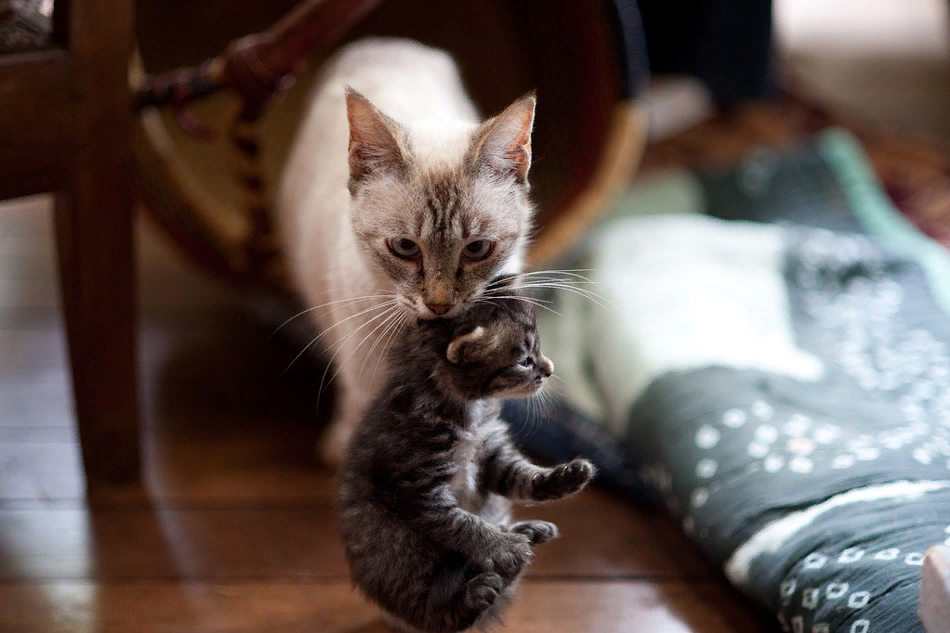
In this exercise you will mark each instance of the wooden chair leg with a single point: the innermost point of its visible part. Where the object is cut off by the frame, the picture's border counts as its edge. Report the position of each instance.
(94, 231)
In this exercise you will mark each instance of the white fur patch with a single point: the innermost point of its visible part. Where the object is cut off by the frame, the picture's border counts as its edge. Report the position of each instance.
(688, 292)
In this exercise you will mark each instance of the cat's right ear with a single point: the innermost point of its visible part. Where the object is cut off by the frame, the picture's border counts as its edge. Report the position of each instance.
(502, 146)
(376, 141)
(456, 351)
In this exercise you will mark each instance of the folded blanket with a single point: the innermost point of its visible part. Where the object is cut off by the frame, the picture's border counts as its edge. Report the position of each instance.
(768, 355)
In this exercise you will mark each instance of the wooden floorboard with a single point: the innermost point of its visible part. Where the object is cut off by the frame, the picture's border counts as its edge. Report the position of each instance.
(541, 607)
(51, 540)
(235, 528)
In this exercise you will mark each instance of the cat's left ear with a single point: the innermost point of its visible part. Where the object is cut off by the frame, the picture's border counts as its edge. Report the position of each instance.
(502, 146)
(377, 143)
(456, 350)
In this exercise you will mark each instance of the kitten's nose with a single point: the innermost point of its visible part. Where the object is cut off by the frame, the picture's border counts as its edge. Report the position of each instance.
(440, 308)
(545, 366)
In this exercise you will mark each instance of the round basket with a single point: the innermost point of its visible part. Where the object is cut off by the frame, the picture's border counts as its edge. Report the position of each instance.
(583, 58)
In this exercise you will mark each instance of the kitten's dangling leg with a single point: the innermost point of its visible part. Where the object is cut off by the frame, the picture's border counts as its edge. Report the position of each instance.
(480, 597)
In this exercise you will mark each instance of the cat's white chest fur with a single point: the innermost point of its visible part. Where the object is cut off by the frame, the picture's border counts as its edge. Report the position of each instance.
(409, 82)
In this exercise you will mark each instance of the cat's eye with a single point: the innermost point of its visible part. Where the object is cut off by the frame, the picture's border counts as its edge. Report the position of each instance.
(478, 249)
(404, 247)
(527, 362)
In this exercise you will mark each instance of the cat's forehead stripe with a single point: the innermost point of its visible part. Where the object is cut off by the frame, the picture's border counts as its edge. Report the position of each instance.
(443, 201)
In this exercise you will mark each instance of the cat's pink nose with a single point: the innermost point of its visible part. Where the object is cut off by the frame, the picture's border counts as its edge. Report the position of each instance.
(440, 308)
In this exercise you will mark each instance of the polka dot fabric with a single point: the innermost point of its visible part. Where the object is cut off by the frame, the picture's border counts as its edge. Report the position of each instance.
(817, 497)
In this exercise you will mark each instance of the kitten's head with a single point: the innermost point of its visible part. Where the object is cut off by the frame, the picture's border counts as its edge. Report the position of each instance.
(439, 211)
(494, 351)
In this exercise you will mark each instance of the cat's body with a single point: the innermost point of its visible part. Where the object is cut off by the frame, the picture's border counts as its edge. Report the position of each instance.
(403, 161)
(425, 488)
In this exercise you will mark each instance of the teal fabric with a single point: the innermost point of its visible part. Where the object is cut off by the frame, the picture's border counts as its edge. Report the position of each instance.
(879, 217)
(805, 354)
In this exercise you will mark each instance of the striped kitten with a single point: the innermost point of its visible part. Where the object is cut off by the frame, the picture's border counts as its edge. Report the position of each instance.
(425, 487)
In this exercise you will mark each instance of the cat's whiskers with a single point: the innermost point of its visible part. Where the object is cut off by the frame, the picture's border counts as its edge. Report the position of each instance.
(389, 323)
(572, 273)
(348, 300)
(567, 275)
(553, 279)
(587, 294)
(339, 345)
(394, 332)
(542, 402)
(540, 303)
(389, 314)
(389, 305)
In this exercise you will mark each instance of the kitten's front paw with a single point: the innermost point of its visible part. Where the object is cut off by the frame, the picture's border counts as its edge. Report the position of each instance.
(537, 531)
(562, 480)
(510, 555)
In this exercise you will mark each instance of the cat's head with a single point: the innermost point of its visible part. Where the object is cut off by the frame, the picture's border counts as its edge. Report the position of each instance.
(494, 350)
(440, 210)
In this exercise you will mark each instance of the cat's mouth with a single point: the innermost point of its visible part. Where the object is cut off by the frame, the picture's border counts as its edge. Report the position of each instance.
(523, 391)
(426, 312)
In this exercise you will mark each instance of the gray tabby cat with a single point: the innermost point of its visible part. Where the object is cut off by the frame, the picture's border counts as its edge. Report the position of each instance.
(426, 484)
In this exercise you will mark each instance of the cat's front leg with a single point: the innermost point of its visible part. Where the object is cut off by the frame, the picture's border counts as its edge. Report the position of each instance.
(505, 471)
(353, 398)
(562, 480)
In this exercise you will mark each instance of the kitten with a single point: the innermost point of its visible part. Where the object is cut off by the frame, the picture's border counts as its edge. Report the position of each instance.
(387, 218)
(425, 487)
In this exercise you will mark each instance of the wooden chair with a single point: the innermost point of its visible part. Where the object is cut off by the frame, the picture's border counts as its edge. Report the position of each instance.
(65, 128)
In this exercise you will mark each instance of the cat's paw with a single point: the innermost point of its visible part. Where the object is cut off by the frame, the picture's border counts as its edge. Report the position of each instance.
(537, 531)
(482, 591)
(562, 480)
(510, 555)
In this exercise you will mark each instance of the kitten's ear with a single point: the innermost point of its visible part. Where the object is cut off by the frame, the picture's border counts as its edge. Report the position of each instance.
(376, 141)
(456, 350)
(502, 146)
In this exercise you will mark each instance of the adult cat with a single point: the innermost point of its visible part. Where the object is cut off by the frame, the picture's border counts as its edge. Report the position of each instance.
(407, 212)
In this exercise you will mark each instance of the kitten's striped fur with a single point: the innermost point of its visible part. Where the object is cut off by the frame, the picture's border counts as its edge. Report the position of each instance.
(425, 488)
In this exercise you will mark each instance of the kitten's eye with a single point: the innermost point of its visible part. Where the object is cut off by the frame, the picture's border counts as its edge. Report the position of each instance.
(478, 249)
(403, 247)
(527, 362)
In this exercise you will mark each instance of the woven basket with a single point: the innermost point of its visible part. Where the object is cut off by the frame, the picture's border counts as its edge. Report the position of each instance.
(583, 58)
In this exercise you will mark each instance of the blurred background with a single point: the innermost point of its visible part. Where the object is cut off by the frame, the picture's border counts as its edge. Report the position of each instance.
(188, 497)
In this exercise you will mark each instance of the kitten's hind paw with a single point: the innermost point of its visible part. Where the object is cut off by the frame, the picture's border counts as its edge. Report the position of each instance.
(482, 591)
(562, 480)
(537, 531)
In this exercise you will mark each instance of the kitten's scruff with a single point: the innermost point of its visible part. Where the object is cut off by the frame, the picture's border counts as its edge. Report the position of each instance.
(425, 487)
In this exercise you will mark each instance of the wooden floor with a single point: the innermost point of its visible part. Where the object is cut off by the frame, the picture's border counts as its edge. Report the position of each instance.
(236, 531)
